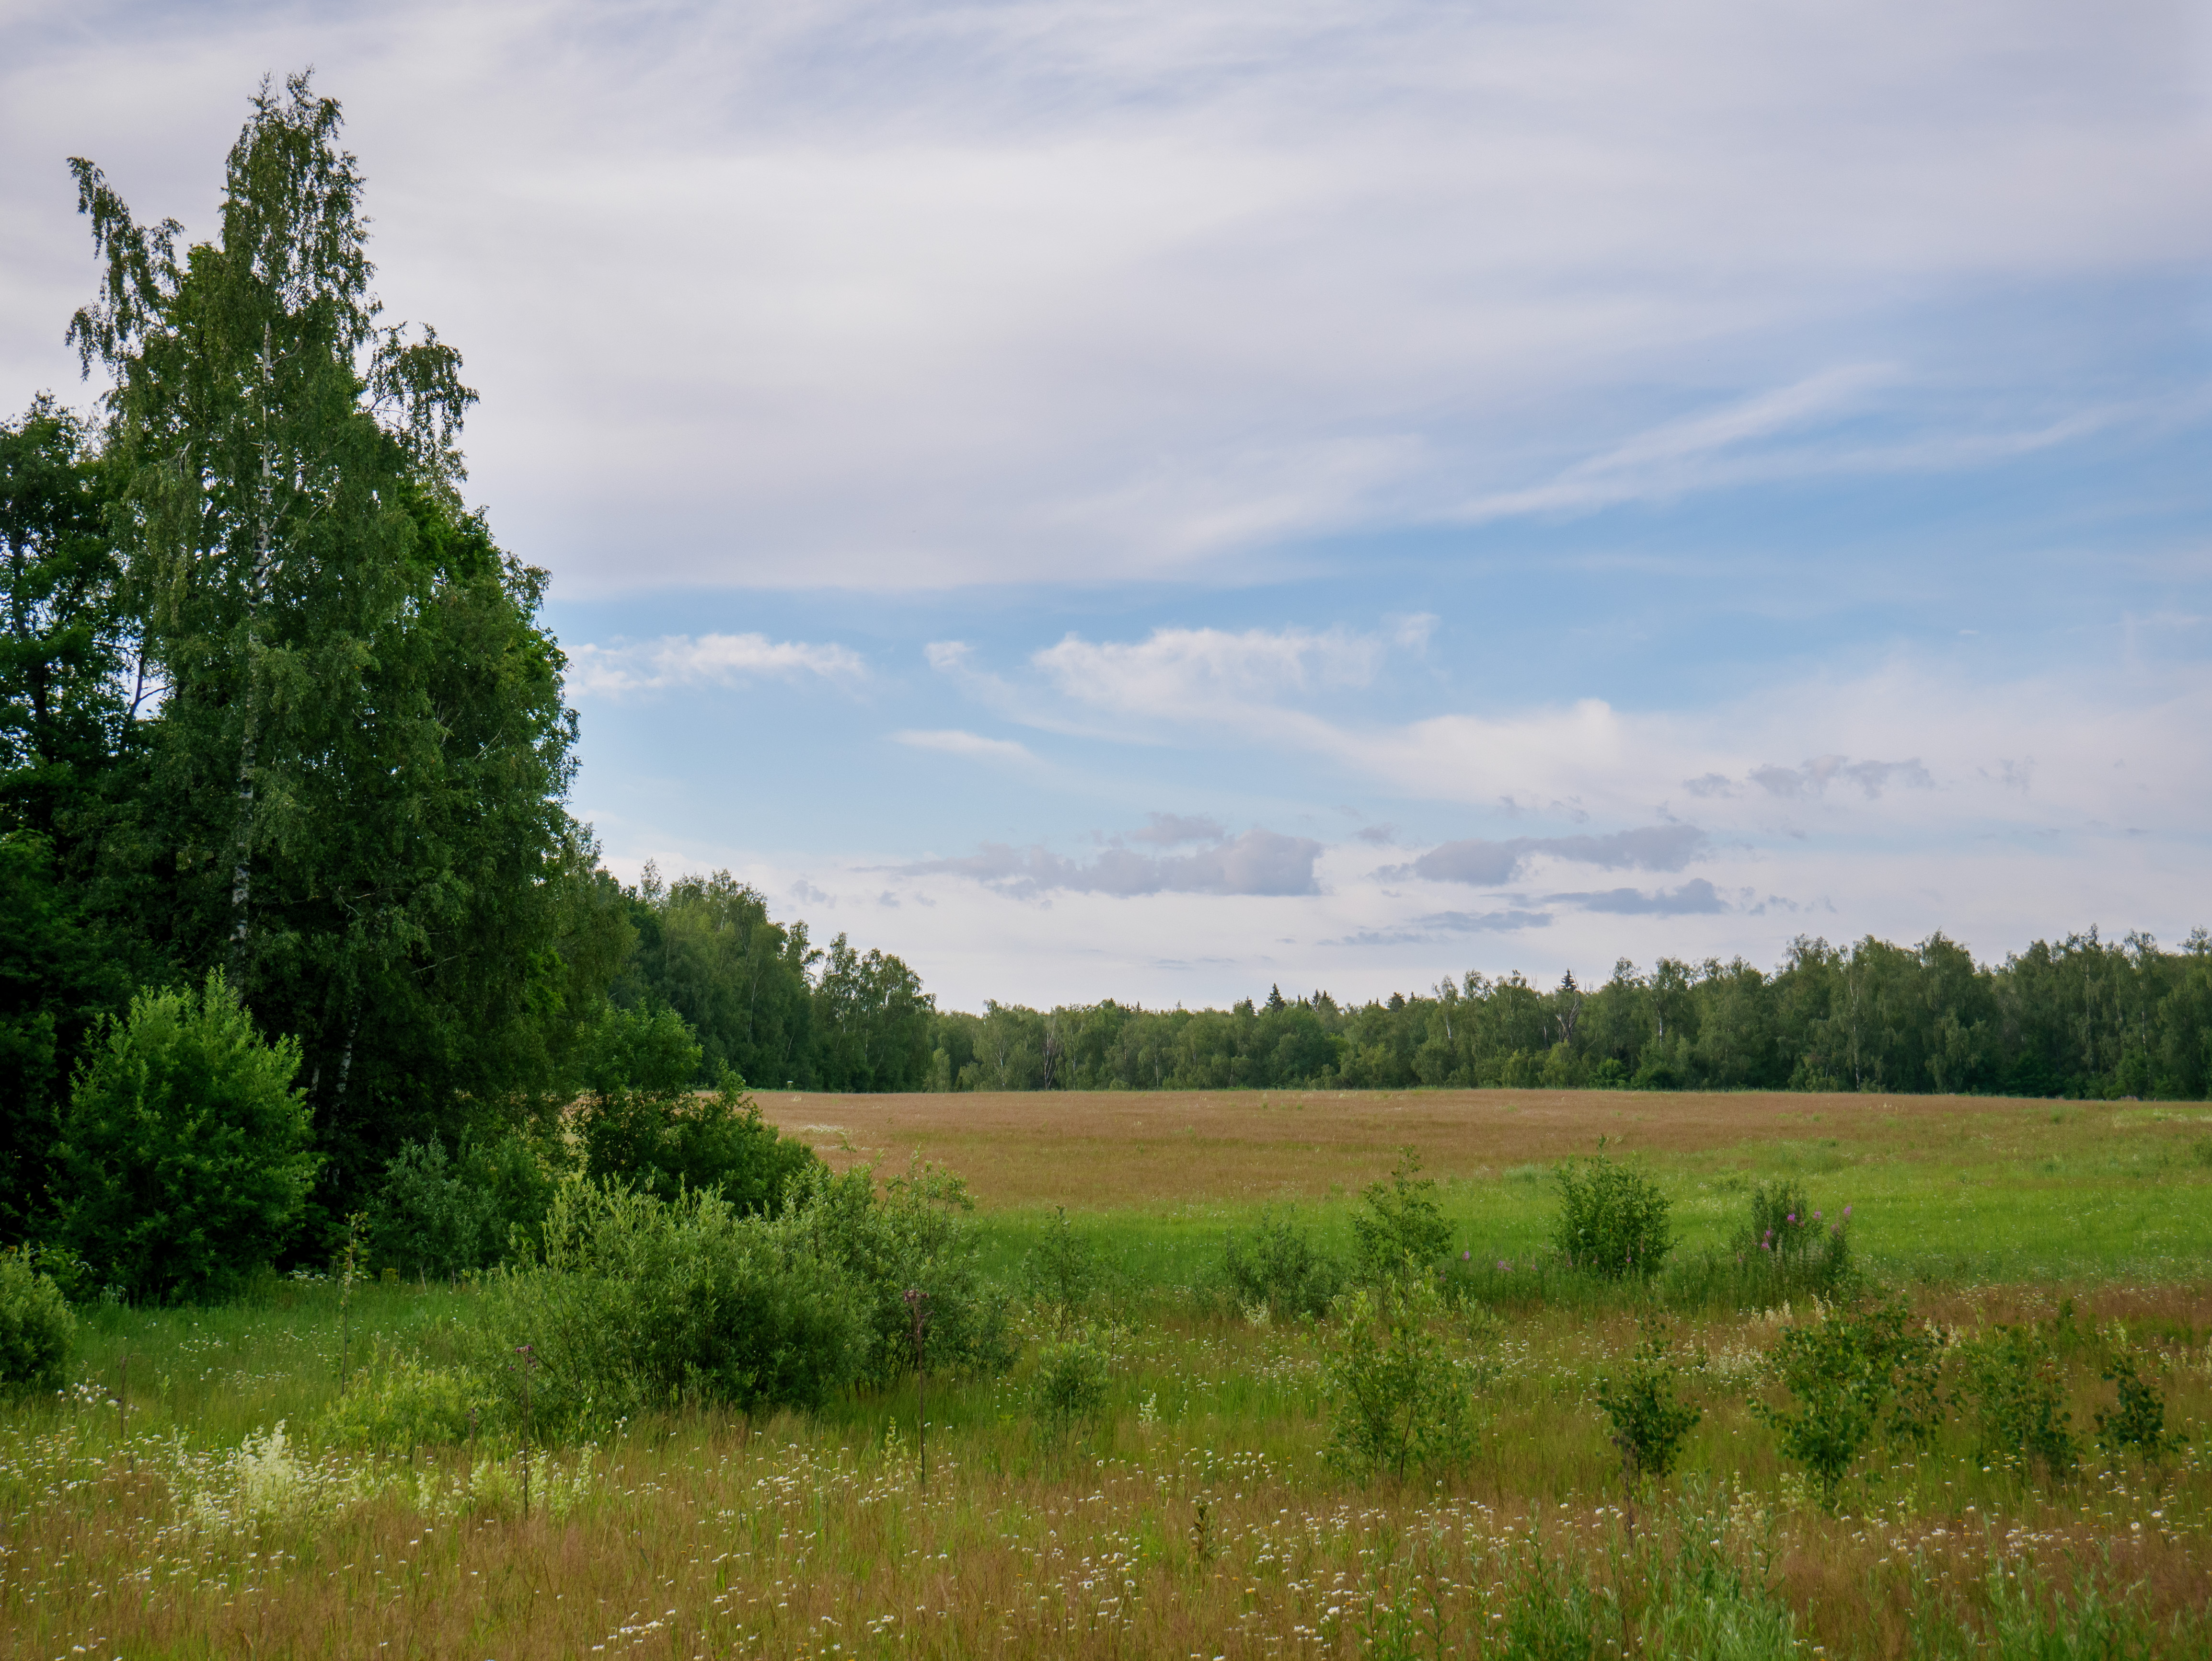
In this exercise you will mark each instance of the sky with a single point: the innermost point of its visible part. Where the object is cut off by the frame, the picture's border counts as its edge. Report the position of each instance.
(1156, 499)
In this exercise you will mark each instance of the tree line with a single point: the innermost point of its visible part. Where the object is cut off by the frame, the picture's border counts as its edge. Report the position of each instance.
(2084, 1017)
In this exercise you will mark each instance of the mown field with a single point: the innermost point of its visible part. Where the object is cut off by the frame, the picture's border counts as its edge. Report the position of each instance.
(185, 1499)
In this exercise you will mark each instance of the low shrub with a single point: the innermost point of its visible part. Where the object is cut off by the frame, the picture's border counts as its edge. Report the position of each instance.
(2137, 1421)
(1062, 1276)
(187, 1151)
(1863, 1371)
(1787, 1248)
(1070, 1382)
(399, 1403)
(36, 1328)
(636, 1302)
(1400, 1400)
(642, 1122)
(1614, 1219)
(1279, 1268)
(1643, 1404)
(913, 1235)
(1402, 1230)
(2017, 1386)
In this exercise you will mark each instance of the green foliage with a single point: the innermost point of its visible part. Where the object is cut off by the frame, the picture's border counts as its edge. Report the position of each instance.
(399, 1403)
(1069, 1385)
(643, 1123)
(2016, 1384)
(36, 1328)
(1613, 1220)
(440, 1217)
(1859, 1371)
(2137, 1421)
(352, 787)
(59, 977)
(1400, 1399)
(187, 1147)
(1649, 1419)
(1278, 1268)
(1402, 1230)
(1063, 1275)
(1791, 1247)
(637, 1302)
(914, 1235)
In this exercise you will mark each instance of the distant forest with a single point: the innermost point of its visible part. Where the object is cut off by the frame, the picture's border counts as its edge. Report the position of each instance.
(2085, 1018)
(275, 706)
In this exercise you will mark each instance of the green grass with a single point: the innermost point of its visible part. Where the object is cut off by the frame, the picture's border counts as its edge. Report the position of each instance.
(1195, 1515)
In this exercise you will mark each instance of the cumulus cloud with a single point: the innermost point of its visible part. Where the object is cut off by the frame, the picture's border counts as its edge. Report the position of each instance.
(1485, 864)
(676, 660)
(1259, 861)
(1693, 897)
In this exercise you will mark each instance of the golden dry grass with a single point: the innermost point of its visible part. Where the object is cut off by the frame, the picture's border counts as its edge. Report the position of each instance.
(1103, 1149)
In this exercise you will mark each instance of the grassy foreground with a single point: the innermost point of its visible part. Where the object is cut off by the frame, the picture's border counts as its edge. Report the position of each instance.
(1195, 1515)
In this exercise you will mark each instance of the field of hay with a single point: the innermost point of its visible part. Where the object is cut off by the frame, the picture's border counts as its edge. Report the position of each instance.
(180, 1499)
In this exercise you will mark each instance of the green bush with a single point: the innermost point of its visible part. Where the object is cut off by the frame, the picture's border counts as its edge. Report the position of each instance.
(399, 1403)
(1402, 1230)
(186, 1149)
(1861, 1371)
(2137, 1422)
(1613, 1220)
(1281, 1268)
(636, 1303)
(36, 1328)
(1062, 1276)
(1649, 1421)
(442, 1217)
(914, 1235)
(2017, 1385)
(1070, 1383)
(1400, 1400)
(643, 1122)
(1790, 1247)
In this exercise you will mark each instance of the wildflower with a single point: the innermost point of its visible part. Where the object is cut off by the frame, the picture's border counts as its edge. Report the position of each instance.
(1793, 1216)
(1816, 1216)
(1847, 1210)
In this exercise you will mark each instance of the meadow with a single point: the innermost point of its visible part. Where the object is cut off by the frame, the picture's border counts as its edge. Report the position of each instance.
(185, 1496)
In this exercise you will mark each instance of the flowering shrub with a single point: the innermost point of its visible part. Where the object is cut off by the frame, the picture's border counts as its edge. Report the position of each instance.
(1797, 1247)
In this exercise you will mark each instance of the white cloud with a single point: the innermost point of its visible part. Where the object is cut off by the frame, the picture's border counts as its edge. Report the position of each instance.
(1259, 861)
(1047, 289)
(676, 660)
(955, 742)
(1208, 674)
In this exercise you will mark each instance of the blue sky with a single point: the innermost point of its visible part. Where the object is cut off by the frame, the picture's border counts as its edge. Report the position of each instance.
(1153, 500)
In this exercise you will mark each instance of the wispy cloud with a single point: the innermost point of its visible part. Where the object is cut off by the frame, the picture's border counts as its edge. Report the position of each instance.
(1183, 674)
(1487, 864)
(1694, 898)
(675, 660)
(955, 742)
(1173, 829)
(1259, 861)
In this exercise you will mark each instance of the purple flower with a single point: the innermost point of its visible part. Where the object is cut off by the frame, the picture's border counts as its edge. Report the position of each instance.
(1847, 1210)
(1793, 1216)
(1816, 1216)
(1467, 1255)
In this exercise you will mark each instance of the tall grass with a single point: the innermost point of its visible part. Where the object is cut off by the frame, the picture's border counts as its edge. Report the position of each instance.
(1195, 1514)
